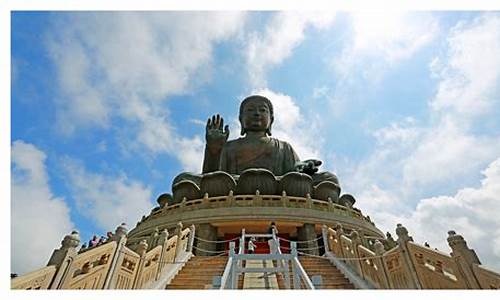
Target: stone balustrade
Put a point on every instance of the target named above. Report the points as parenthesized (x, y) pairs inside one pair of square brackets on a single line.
[(409, 265), (258, 200), (235, 207), (111, 265)]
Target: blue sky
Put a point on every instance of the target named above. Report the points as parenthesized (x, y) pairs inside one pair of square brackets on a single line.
[(108, 107)]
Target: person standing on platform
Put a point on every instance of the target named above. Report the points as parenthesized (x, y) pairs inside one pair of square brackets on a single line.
[(251, 245)]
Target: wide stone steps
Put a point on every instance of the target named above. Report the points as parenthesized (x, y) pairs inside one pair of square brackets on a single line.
[(331, 277), (198, 273)]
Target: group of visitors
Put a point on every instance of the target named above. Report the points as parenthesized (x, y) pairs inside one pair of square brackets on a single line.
[(95, 241)]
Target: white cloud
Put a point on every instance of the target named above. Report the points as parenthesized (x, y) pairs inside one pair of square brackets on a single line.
[(471, 70), (283, 33), (450, 152), (410, 160), (384, 38), (126, 65), (40, 220), (472, 212), (377, 43), (447, 151), (107, 201)]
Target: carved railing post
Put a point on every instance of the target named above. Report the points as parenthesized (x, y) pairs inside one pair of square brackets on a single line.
[(356, 242), (339, 232), (178, 232), (192, 232), (464, 257), (379, 251), (324, 234), (403, 239), (230, 198), (120, 237), (153, 238), (142, 248), (162, 240), (63, 257), (309, 203)]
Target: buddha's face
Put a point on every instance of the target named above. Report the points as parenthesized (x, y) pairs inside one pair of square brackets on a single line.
[(256, 116)]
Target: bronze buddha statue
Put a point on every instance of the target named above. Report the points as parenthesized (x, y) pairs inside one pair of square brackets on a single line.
[(254, 151)]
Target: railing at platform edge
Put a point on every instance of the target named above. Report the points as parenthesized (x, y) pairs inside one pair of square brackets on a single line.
[(407, 265), (153, 263), (113, 265), (236, 264)]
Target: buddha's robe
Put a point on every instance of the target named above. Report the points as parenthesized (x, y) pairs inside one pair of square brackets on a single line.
[(274, 155)]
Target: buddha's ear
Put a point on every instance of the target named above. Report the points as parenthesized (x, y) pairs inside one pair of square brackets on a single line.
[(242, 131), (268, 130)]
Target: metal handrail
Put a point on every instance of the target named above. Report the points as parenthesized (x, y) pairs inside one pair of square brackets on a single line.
[(227, 273), (233, 267), (302, 274), (229, 267)]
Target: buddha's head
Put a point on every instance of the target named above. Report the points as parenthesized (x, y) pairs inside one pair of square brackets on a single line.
[(256, 114)]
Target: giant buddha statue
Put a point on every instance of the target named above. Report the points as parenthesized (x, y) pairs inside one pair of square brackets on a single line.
[(254, 161)]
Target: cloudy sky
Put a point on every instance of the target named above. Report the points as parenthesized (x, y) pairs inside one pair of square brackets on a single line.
[(108, 107)]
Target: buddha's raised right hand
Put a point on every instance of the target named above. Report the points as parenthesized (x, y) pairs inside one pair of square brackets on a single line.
[(215, 135)]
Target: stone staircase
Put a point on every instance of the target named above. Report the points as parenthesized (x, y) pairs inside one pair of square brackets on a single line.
[(198, 273), (331, 277)]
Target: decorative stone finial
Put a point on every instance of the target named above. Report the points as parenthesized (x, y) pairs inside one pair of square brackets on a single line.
[(121, 230), (459, 247), (178, 228), (339, 229), (162, 238), (379, 247), (71, 240), (402, 234), (143, 246), (355, 236)]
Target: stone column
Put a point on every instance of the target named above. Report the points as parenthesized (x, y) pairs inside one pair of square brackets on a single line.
[(192, 232), (178, 249), (307, 233), (63, 257), (339, 231), (464, 257), (120, 237), (356, 241), (141, 250), (162, 240), (379, 251), (403, 239), (324, 234), (205, 232)]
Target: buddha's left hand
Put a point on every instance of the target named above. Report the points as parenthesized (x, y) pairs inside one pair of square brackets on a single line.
[(309, 166)]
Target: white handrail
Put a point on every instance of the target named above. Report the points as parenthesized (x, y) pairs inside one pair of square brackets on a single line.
[(303, 275), (229, 269), (227, 272)]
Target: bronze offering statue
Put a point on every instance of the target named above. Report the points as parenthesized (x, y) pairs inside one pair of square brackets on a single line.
[(254, 161)]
